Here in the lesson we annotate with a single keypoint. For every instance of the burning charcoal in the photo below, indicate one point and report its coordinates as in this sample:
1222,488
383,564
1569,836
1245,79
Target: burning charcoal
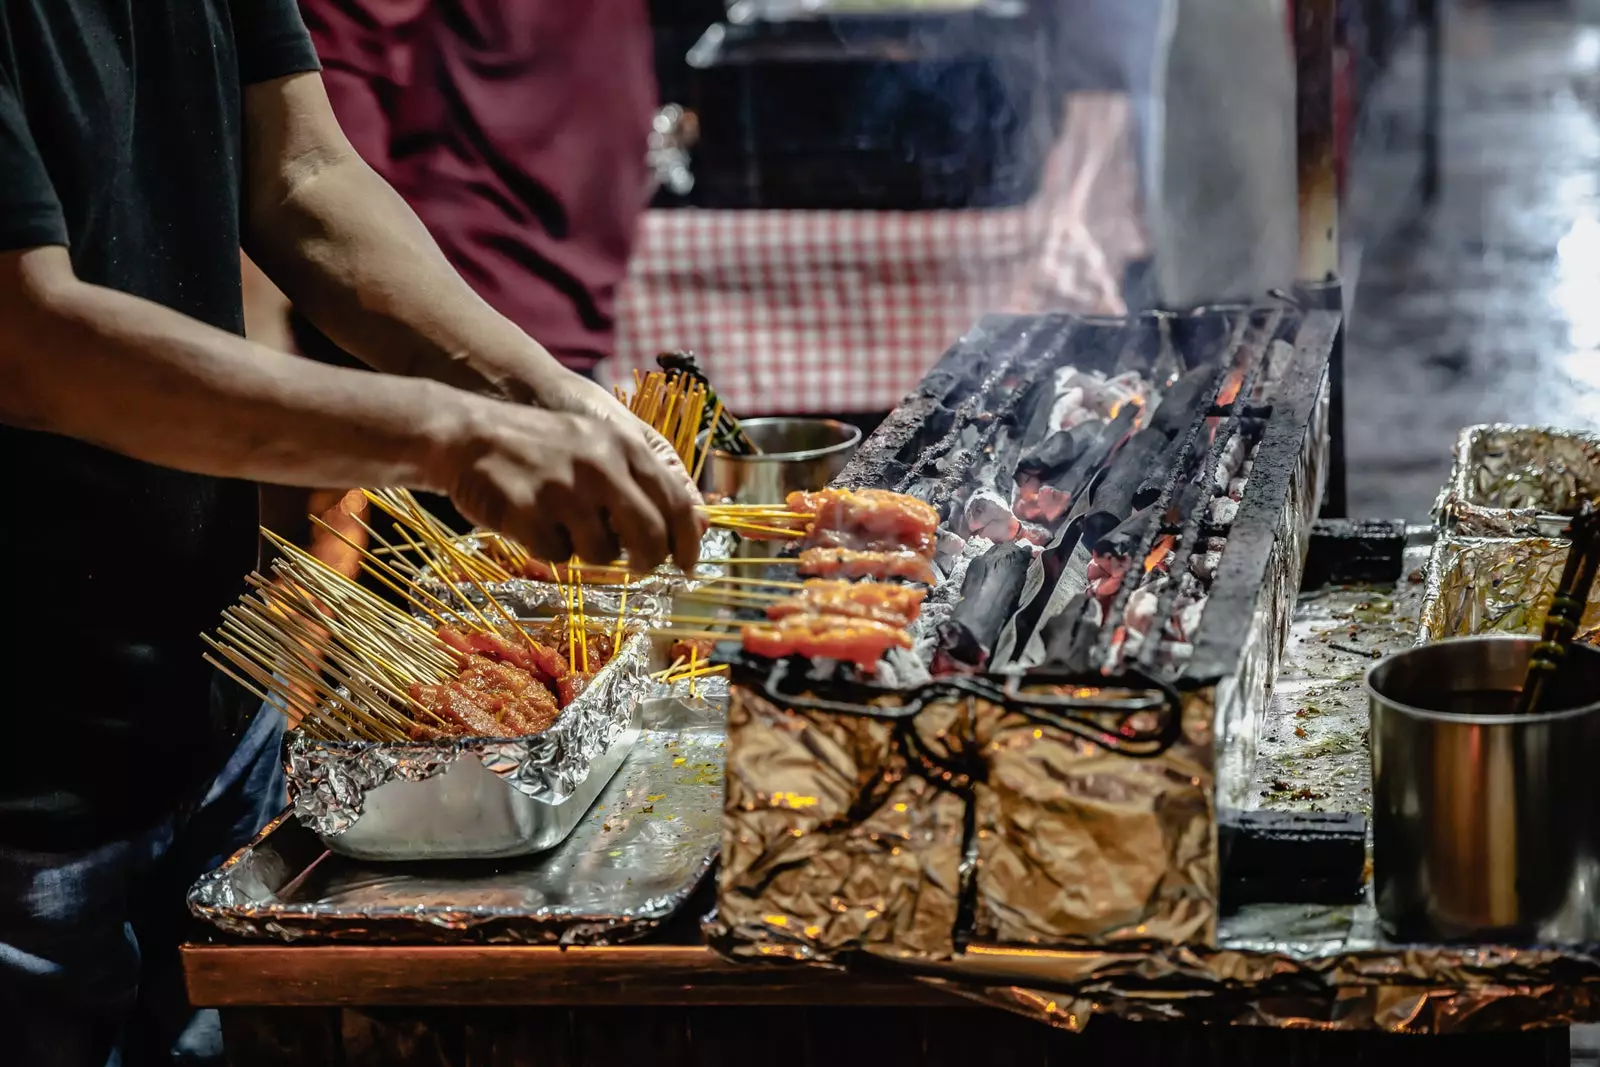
949,590
1076,478
1063,560
947,547
1188,398
1070,637
1231,460
988,599
1106,574
1203,565
989,515
1112,500
1125,539
1033,534
1222,511
1236,488
1069,409
1186,621
1142,606
1055,453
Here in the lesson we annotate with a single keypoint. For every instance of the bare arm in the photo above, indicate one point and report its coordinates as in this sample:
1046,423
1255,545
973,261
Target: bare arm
355,260
134,377
353,257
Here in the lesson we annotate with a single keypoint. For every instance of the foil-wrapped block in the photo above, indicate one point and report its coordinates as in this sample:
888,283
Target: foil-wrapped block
831,839
647,597
1518,481
1077,844
1495,586
914,829
471,797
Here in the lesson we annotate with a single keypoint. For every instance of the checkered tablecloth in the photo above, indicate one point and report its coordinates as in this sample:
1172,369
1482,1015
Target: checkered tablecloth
844,311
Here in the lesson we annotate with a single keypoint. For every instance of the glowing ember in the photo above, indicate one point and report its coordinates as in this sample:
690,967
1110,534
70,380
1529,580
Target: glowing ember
1158,555
1136,401
1230,388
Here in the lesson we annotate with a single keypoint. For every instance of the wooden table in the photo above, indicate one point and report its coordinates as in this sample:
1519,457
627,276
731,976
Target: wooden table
666,1005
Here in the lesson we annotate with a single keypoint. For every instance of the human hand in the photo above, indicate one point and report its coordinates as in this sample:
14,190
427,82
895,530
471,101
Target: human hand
565,484
580,396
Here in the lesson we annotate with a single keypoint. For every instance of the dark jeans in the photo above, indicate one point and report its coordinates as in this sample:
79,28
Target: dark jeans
89,973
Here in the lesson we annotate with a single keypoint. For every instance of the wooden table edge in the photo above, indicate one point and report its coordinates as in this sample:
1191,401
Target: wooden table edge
235,976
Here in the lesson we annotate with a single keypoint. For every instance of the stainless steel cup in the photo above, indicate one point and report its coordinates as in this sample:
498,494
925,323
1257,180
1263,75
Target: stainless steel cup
796,453
1484,822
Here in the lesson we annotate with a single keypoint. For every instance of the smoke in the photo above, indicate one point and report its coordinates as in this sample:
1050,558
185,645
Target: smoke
1223,213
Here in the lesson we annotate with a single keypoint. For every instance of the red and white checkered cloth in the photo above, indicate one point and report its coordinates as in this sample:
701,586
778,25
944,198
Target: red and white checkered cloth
844,311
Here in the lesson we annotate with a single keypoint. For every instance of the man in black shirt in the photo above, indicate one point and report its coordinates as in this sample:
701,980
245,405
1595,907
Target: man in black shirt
142,143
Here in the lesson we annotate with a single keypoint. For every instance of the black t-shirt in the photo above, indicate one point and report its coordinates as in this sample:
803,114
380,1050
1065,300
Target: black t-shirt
121,137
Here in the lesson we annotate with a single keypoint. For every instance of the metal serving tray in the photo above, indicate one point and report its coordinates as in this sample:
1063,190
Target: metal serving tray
633,860
1518,481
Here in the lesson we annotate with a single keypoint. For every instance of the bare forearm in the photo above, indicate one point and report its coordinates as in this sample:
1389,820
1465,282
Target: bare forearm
354,259
145,381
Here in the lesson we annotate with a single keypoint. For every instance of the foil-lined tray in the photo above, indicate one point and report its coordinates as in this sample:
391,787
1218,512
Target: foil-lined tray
471,798
634,859
647,597
1495,585
1518,481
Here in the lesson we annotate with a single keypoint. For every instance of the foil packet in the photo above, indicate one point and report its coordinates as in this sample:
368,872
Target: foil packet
1495,586
951,819
485,809
1517,481
647,597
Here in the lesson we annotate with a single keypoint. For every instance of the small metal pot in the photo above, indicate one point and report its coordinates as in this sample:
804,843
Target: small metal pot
1484,822
796,453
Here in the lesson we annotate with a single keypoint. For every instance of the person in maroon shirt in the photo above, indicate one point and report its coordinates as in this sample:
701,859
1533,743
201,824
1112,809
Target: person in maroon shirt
516,129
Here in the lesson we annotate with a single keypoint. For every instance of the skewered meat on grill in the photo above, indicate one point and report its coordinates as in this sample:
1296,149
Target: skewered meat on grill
893,605
859,641
867,519
850,563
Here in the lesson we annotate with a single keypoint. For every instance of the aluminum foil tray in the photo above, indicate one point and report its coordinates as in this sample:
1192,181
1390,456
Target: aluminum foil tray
632,862
1517,481
1495,585
471,798
649,597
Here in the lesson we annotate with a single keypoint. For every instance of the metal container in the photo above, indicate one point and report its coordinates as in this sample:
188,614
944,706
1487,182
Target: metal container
1484,822
1518,481
471,797
469,812
796,453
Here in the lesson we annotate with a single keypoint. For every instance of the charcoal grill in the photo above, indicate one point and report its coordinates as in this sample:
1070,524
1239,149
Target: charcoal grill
1113,738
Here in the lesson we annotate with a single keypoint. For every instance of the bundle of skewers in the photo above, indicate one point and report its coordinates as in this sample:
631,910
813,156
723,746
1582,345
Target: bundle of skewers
680,375
346,664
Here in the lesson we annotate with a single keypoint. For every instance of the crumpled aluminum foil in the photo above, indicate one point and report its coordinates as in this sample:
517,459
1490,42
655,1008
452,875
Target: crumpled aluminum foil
837,839
648,597
1517,481
640,851
1495,585
1306,967
329,780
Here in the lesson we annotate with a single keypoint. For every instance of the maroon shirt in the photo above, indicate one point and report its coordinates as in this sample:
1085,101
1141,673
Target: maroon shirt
517,131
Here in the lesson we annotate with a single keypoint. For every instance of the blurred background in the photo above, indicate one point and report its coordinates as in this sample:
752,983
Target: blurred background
830,192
